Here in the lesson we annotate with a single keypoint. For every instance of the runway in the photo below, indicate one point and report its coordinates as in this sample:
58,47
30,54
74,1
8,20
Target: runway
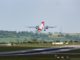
38,51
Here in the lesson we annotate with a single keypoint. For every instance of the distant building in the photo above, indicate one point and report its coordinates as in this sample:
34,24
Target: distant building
5,44
57,43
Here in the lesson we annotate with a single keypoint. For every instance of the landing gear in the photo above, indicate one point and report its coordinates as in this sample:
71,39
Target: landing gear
44,29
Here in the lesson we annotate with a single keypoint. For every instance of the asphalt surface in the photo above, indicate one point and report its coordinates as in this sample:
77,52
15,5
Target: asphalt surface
60,50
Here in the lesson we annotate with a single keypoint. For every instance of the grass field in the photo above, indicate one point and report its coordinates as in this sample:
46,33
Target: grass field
38,57
14,48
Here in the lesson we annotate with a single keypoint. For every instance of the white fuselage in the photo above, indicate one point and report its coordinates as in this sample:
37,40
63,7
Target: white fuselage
41,27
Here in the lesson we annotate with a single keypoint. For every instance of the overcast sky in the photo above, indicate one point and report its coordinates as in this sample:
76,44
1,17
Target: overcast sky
16,15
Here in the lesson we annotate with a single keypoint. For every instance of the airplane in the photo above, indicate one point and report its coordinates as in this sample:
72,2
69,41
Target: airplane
42,27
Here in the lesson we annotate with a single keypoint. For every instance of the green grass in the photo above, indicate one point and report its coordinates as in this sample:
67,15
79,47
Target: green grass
14,48
37,57
26,58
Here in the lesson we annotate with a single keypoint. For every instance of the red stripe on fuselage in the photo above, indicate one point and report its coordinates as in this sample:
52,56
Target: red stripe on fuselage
43,22
39,29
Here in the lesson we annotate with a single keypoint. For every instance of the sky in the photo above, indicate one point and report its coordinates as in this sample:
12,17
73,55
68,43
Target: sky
17,15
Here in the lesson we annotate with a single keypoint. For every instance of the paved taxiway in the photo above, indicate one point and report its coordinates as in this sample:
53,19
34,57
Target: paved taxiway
38,51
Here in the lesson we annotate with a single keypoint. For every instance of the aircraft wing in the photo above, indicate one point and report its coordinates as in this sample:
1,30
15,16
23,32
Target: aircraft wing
33,27
46,27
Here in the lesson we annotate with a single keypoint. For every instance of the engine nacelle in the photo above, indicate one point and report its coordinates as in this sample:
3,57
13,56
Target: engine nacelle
46,27
37,27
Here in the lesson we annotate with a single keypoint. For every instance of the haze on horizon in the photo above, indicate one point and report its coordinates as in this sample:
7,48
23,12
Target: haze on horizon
16,15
